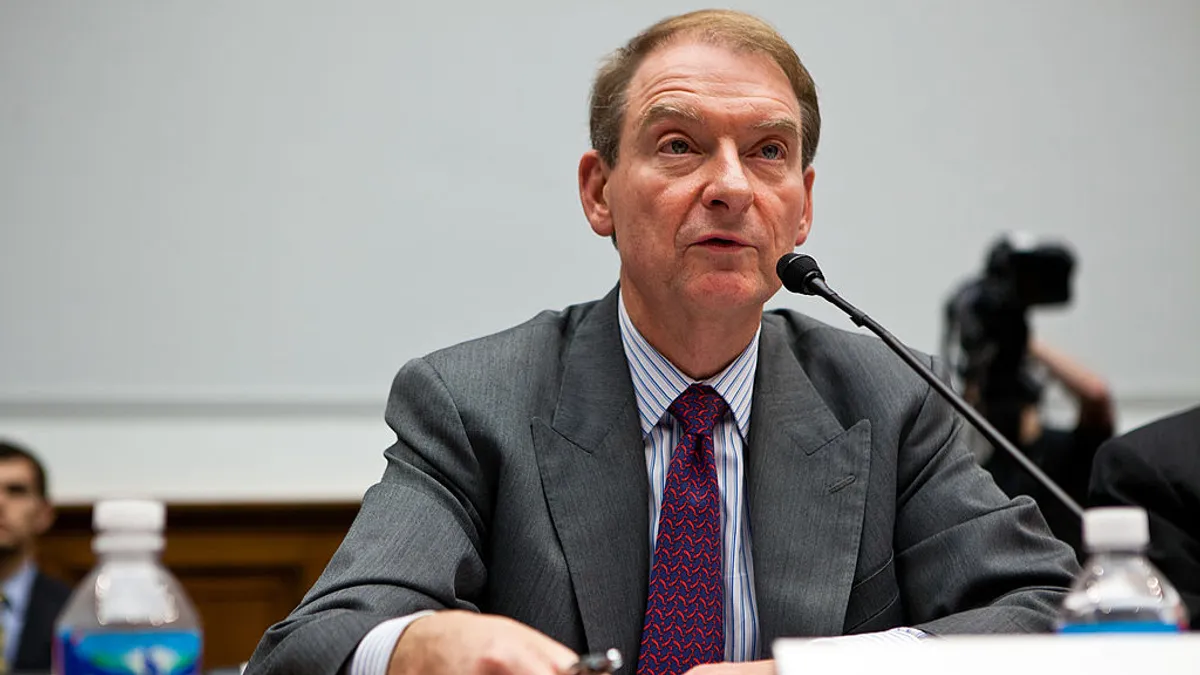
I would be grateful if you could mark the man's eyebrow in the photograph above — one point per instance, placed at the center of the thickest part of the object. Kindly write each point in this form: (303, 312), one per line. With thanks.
(661, 111)
(783, 125)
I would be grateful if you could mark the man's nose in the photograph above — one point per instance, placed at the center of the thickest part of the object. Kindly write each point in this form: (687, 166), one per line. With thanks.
(729, 187)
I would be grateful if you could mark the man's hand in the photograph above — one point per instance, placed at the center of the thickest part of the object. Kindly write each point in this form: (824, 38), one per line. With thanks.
(453, 642)
(750, 668)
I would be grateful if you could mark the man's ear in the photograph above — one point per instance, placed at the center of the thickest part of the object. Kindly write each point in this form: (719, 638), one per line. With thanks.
(806, 218)
(593, 192)
(44, 518)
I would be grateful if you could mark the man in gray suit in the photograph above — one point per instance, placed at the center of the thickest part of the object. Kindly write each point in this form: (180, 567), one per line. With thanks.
(669, 470)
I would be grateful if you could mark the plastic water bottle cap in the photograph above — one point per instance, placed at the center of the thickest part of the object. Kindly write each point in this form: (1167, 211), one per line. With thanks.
(1115, 527)
(129, 515)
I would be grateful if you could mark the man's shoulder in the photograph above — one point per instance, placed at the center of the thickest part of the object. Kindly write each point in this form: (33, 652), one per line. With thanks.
(814, 341)
(526, 359)
(545, 333)
(800, 325)
(1174, 439)
(1179, 428)
(855, 373)
(518, 369)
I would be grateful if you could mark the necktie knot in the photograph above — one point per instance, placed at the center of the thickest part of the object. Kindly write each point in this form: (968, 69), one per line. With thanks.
(698, 409)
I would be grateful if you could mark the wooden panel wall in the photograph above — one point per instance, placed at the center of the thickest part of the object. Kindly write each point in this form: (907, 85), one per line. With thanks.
(245, 566)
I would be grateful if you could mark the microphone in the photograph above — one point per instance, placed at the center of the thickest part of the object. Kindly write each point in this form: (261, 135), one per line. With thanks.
(801, 274)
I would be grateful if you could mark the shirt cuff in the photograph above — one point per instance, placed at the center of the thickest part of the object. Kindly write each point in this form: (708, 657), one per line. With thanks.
(374, 652)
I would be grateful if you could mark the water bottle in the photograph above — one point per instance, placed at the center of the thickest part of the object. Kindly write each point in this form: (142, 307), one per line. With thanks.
(1119, 590)
(130, 615)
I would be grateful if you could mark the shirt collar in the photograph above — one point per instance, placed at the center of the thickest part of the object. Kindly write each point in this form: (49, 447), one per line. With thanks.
(19, 586)
(657, 382)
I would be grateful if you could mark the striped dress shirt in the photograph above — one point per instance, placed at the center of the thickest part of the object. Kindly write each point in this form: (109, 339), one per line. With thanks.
(656, 383)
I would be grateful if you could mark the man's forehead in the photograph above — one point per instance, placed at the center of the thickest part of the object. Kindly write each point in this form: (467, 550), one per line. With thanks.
(681, 78)
(16, 469)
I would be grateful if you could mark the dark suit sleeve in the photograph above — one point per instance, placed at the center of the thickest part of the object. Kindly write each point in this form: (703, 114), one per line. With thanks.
(969, 559)
(1124, 476)
(414, 545)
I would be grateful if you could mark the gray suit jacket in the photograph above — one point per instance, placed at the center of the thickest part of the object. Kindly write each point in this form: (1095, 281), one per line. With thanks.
(517, 486)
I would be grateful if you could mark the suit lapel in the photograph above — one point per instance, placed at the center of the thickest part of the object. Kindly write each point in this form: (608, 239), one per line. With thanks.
(593, 467)
(33, 651)
(807, 484)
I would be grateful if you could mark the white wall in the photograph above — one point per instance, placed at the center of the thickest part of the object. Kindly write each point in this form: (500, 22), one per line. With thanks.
(224, 225)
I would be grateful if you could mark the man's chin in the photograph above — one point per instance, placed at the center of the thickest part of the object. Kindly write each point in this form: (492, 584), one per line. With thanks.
(720, 293)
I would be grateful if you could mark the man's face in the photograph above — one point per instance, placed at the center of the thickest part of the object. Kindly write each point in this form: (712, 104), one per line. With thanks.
(24, 514)
(708, 189)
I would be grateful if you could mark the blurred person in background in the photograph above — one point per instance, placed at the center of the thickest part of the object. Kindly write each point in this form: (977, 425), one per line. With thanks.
(30, 601)
(1157, 467)
(1004, 371)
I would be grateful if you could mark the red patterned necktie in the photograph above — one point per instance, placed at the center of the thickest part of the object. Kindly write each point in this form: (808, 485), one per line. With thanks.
(685, 608)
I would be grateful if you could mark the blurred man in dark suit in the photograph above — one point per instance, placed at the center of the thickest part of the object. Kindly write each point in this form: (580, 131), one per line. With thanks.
(1157, 467)
(31, 600)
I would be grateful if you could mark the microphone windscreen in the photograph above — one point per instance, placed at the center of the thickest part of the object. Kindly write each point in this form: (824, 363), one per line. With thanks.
(795, 270)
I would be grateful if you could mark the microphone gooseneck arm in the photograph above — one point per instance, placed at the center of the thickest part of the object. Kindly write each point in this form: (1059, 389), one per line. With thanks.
(800, 274)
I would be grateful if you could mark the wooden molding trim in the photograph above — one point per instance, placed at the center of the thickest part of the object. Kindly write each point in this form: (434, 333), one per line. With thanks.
(228, 517)
(245, 565)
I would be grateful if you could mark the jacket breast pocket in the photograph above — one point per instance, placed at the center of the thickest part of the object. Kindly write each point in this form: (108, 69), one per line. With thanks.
(875, 602)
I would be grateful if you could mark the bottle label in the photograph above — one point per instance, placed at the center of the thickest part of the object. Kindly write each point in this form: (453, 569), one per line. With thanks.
(129, 653)
(1120, 627)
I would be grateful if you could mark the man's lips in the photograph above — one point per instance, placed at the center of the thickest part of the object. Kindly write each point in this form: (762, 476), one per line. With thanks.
(720, 242)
